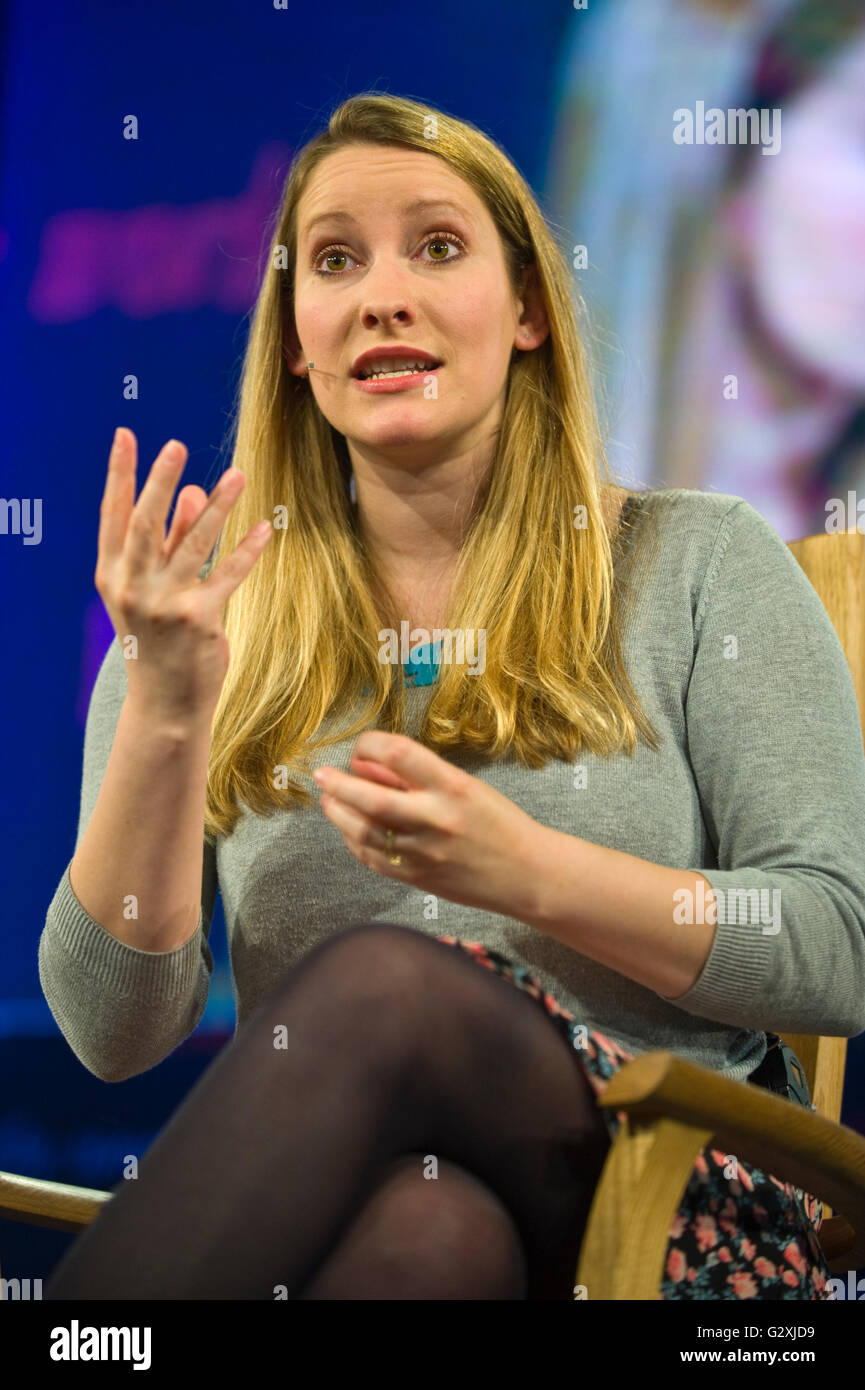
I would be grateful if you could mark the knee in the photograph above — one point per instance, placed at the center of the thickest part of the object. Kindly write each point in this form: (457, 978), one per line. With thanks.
(372, 979)
(376, 960)
(461, 1238)
(452, 1229)
(429, 1235)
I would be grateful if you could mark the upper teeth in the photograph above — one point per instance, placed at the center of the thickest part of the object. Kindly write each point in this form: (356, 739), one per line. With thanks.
(392, 366)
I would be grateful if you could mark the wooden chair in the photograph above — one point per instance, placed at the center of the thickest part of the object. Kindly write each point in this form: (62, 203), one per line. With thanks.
(674, 1107)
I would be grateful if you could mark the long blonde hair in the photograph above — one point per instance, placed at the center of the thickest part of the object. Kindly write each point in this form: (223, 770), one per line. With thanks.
(303, 626)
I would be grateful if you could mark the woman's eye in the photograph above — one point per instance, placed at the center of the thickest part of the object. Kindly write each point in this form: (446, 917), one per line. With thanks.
(438, 243)
(442, 243)
(331, 256)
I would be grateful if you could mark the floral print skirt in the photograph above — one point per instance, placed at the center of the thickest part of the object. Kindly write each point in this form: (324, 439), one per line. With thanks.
(748, 1236)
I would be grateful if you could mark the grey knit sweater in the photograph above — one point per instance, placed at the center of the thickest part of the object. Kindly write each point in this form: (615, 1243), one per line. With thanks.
(759, 784)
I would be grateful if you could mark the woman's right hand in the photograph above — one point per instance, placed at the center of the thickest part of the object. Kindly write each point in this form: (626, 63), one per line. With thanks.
(149, 581)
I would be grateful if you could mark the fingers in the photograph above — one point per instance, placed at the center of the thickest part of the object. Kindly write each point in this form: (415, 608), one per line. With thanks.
(374, 772)
(406, 809)
(146, 531)
(192, 551)
(118, 497)
(191, 501)
(407, 759)
(136, 531)
(225, 577)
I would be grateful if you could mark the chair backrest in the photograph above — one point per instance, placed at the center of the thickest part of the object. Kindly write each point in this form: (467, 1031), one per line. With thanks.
(835, 565)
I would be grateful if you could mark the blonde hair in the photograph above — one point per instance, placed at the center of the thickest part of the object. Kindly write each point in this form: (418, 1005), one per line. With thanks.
(303, 626)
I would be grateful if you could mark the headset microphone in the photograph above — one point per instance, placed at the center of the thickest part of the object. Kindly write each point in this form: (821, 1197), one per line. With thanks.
(310, 366)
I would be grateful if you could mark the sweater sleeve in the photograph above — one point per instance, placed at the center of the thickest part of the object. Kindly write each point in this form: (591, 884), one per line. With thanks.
(122, 1010)
(775, 743)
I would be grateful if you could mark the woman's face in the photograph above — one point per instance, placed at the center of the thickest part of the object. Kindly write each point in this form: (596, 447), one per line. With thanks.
(375, 269)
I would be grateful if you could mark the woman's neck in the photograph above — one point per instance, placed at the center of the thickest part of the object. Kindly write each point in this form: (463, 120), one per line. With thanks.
(415, 588)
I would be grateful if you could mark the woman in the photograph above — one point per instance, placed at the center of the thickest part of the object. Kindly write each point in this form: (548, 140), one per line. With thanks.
(392, 1121)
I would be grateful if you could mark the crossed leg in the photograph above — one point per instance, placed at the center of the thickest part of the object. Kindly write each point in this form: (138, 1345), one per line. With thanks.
(299, 1161)
(422, 1237)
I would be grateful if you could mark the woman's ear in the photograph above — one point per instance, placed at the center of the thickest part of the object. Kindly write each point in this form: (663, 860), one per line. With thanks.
(294, 356)
(533, 326)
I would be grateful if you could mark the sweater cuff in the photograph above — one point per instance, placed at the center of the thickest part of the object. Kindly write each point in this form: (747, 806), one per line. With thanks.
(152, 976)
(734, 982)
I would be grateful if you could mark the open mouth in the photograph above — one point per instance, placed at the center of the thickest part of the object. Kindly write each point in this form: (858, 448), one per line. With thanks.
(386, 372)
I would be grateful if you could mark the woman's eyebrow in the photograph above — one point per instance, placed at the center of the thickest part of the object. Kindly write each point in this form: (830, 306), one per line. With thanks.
(407, 210)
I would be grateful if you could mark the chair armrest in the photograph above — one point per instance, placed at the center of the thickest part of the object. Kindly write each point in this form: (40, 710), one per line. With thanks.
(794, 1144)
(42, 1203)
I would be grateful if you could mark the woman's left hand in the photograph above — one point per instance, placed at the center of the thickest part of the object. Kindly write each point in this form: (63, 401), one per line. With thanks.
(456, 836)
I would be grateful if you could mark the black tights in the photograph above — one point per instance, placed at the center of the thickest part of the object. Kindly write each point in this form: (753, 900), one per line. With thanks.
(303, 1163)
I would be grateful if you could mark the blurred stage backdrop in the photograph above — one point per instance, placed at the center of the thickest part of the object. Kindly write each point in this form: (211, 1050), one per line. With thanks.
(723, 266)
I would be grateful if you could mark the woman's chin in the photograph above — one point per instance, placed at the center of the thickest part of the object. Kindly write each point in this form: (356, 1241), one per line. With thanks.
(398, 434)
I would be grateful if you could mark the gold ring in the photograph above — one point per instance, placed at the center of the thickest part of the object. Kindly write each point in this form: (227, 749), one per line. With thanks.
(389, 839)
